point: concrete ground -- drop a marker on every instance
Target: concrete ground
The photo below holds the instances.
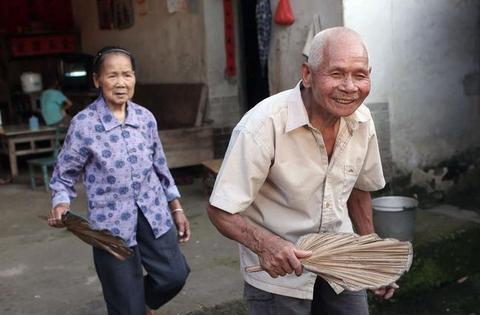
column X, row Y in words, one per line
column 49, row 271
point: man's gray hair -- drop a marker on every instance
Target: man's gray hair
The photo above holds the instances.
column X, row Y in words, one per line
column 320, row 41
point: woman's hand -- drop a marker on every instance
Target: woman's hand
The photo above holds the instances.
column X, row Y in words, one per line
column 183, row 226
column 55, row 215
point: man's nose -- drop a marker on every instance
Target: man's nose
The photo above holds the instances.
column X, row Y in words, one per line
column 348, row 85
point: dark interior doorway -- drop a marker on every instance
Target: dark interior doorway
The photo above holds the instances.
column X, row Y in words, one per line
column 256, row 82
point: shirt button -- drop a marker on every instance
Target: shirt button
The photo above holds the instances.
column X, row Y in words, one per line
column 327, row 205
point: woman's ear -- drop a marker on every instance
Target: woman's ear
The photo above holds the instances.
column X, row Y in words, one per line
column 306, row 75
column 95, row 81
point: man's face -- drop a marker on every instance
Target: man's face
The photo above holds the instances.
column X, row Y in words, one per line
column 342, row 81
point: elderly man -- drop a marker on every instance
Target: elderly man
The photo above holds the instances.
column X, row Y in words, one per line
column 302, row 161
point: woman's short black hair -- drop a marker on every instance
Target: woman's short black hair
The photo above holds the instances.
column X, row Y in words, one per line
column 102, row 53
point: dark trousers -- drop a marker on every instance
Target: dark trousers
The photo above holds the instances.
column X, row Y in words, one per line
column 125, row 289
column 325, row 302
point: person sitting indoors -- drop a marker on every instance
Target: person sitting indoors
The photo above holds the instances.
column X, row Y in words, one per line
column 54, row 103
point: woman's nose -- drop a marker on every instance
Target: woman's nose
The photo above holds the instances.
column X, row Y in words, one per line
column 121, row 81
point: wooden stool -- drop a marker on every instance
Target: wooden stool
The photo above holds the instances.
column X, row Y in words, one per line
column 45, row 162
column 210, row 171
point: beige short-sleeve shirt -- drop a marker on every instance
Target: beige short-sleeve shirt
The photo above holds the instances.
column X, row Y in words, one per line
column 276, row 173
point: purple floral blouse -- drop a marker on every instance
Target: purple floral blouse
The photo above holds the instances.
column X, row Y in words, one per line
column 123, row 167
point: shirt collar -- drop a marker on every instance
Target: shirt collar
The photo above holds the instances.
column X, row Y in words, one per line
column 109, row 121
column 298, row 117
column 297, row 113
column 360, row 116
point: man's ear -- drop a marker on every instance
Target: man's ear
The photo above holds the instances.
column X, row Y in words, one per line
column 306, row 75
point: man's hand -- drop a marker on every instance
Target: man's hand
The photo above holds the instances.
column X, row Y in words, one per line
column 55, row 215
column 183, row 226
column 386, row 292
column 279, row 257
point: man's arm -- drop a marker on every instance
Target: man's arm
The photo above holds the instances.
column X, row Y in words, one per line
column 360, row 211
column 359, row 206
column 277, row 256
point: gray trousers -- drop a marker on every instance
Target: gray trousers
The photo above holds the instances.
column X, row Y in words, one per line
column 125, row 289
column 325, row 302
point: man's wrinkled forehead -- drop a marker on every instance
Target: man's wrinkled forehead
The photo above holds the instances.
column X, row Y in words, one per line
column 348, row 47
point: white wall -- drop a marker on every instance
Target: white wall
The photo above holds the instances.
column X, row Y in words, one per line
column 287, row 42
column 167, row 47
column 420, row 52
column 224, row 94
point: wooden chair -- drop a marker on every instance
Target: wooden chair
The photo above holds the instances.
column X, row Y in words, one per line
column 45, row 162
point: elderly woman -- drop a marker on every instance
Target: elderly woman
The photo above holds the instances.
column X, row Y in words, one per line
column 115, row 144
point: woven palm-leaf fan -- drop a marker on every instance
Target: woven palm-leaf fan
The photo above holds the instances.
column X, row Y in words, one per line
column 102, row 239
column 353, row 262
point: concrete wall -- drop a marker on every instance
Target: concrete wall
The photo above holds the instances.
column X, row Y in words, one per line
column 225, row 94
column 287, row 42
column 178, row 47
column 421, row 51
column 168, row 47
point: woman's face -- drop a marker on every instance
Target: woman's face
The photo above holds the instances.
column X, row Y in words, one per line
column 116, row 79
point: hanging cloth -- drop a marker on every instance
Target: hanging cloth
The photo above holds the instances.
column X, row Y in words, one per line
column 284, row 13
column 315, row 27
column 263, row 14
column 230, row 69
column 123, row 15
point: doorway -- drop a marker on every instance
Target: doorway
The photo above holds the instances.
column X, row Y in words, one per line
column 256, row 78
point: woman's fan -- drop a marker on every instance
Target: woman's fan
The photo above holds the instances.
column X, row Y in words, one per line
column 102, row 239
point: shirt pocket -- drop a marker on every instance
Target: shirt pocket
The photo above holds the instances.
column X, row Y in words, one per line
column 350, row 176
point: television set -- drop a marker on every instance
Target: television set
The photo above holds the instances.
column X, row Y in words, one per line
column 75, row 72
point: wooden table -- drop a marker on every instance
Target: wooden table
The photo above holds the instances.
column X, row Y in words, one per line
column 20, row 140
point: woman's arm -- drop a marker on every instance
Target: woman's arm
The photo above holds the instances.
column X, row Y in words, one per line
column 168, row 185
column 70, row 164
column 181, row 221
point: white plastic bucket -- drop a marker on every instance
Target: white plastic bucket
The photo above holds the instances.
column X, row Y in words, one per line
column 31, row 82
column 394, row 217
